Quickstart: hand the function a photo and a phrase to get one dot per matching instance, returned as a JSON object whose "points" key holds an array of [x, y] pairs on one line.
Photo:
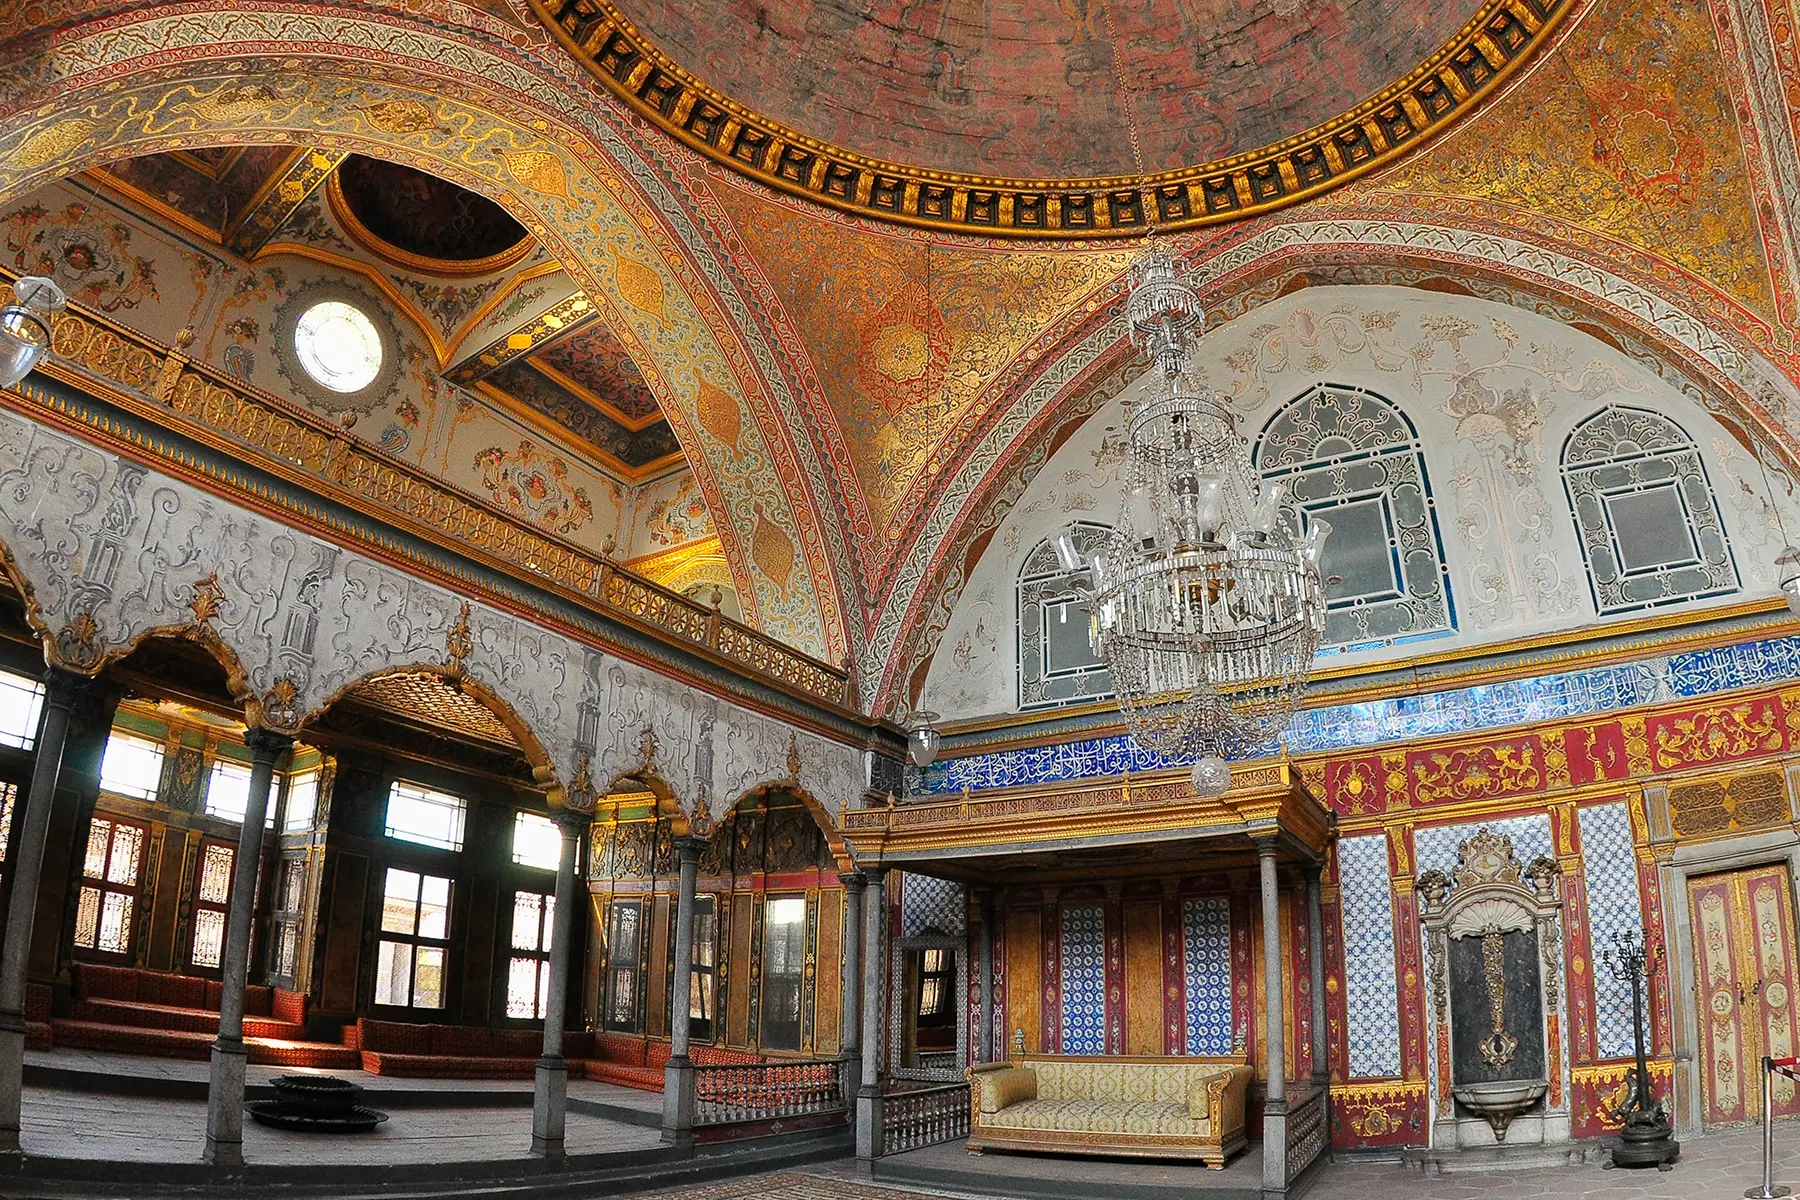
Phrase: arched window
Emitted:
{"points": [[1644, 512], [1056, 660], [1352, 458]]}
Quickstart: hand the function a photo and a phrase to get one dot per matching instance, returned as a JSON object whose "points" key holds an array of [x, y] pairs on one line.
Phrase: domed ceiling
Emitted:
{"points": [[420, 216], [967, 112]]}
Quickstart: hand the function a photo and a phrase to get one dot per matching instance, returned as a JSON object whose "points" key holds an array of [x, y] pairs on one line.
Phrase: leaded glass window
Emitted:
{"points": [[1352, 458], [212, 899], [107, 903], [1650, 532], [1057, 663]]}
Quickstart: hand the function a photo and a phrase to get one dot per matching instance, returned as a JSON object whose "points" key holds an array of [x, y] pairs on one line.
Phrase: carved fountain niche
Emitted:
{"points": [[1493, 933]]}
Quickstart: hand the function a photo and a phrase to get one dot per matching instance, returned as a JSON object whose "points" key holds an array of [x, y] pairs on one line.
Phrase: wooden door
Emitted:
{"points": [[1745, 983]]}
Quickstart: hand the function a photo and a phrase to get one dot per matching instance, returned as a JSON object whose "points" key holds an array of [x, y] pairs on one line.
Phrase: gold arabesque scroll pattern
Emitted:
{"points": [[1405, 114]]}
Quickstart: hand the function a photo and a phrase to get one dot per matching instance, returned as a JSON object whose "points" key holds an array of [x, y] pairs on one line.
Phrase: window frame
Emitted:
{"points": [[1396, 449], [798, 975], [703, 960], [538, 953], [103, 885], [1583, 481], [414, 941], [1035, 593], [628, 975], [200, 905], [524, 818], [26, 735], [422, 793], [288, 783], [148, 795]]}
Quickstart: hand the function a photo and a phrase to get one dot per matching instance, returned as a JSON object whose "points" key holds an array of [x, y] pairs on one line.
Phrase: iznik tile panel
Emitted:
{"points": [[1206, 953], [1346, 726], [929, 905], [1436, 846], [1610, 873], [1083, 980], [1371, 994]]}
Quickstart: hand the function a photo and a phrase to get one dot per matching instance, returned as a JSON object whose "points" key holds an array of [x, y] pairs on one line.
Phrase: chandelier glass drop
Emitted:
{"points": [[1206, 596]]}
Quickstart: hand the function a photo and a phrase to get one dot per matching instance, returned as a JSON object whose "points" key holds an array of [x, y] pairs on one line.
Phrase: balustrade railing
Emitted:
{"points": [[731, 1095], [924, 1117], [289, 440]]}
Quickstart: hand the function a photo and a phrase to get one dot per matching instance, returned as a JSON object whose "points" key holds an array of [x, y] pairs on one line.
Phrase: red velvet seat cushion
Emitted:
{"points": [[395, 1037], [624, 1049], [518, 1043], [257, 1000], [106, 983], [288, 1006], [173, 991], [461, 1041]]}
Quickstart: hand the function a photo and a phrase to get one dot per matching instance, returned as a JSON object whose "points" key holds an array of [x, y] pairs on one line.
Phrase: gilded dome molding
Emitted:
{"points": [[1483, 54]]}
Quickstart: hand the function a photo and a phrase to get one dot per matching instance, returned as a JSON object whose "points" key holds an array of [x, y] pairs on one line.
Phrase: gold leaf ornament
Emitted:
{"points": [[400, 116], [639, 286], [719, 415], [47, 145], [538, 170], [772, 550]]}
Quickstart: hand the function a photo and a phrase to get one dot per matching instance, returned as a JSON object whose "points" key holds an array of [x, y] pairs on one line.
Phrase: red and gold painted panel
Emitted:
{"points": [[1719, 733], [1374, 1115], [1600, 1095], [1746, 981]]}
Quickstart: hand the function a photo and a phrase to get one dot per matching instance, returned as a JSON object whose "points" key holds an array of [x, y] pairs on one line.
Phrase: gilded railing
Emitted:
{"points": [[287, 440]]}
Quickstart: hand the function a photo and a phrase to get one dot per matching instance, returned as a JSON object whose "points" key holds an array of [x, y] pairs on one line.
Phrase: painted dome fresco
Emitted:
{"points": [[935, 111]]}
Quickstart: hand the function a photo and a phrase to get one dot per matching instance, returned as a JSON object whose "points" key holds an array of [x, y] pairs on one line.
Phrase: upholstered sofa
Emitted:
{"points": [[457, 1051], [1175, 1107]]}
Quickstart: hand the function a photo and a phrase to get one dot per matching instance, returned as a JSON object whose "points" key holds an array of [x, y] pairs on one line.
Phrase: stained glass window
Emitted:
{"points": [[528, 975], [105, 907], [409, 969], [1057, 664], [1351, 457], [131, 766], [1643, 507]]}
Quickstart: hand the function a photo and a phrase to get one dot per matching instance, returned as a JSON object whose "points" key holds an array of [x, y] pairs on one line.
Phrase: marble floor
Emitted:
{"points": [[1715, 1167]]}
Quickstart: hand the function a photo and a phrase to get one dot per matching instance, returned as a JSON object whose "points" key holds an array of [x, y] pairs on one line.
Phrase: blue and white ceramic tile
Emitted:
{"points": [[1083, 980], [929, 905], [1371, 995], [1436, 845], [1610, 872], [1347, 726], [1206, 955]]}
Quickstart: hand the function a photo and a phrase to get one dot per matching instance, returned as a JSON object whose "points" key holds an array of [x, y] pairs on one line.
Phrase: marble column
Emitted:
{"points": [[850, 1042], [874, 999], [1275, 1106], [678, 1073], [984, 1037], [550, 1091], [225, 1086], [1315, 938], [62, 690]]}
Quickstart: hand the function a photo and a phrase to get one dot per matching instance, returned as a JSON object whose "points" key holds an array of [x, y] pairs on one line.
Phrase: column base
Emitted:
{"points": [[1274, 1164], [12, 1080], [678, 1101], [225, 1104], [549, 1107], [869, 1102]]}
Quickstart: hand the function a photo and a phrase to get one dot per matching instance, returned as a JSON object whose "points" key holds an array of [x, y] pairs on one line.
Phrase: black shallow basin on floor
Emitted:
{"points": [[315, 1104]]}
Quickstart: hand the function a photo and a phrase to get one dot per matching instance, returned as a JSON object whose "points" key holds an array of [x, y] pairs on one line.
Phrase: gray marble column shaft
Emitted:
{"points": [[1275, 1106], [62, 689], [678, 1072], [549, 1095], [874, 999], [225, 1085]]}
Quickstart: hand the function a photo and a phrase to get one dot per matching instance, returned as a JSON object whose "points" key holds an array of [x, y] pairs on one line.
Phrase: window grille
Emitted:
{"points": [[1644, 513], [212, 899], [106, 908], [1057, 664], [1352, 458]]}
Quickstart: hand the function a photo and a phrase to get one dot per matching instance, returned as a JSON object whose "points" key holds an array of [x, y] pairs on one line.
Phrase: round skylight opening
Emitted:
{"points": [[338, 346]]}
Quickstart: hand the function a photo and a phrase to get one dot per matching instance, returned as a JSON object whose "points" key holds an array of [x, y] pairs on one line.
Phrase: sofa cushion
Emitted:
{"points": [[105, 983], [396, 1037], [518, 1043], [215, 992], [1163, 1082], [257, 999], [1098, 1116], [1007, 1086], [462, 1041], [288, 1006], [623, 1049], [577, 1043], [175, 991]]}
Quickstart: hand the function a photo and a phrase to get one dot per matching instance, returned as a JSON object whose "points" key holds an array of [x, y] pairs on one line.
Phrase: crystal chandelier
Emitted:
{"points": [[1207, 608]]}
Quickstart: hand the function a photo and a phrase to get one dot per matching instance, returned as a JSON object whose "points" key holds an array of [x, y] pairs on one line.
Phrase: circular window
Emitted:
{"points": [[338, 346]]}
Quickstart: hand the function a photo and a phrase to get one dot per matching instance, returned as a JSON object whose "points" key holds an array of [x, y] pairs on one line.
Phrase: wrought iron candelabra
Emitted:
{"points": [[1648, 1140]]}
